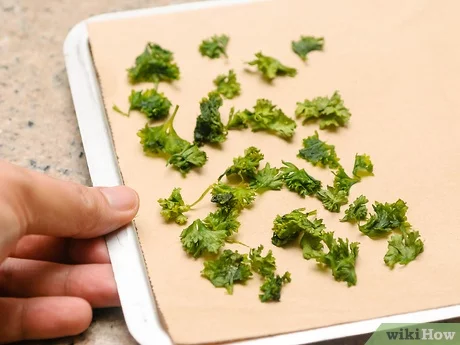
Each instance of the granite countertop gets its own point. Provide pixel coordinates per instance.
(38, 128)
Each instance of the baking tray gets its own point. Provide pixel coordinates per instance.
(137, 301)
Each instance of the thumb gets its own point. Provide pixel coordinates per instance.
(32, 203)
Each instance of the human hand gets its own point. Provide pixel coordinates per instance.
(54, 265)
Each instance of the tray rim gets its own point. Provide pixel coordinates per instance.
(142, 319)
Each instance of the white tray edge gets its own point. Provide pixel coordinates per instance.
(133, 284)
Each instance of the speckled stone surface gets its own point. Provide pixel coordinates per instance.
(38, 128)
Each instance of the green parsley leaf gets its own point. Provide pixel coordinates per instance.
(342, 181)
(246, 166)
(227, 85)
(330, 112)
(215, 46)
(307, 44)
(311, 241)
(198, 239)
(318, 152)
(332, 198)
(298, 180)
(265, 117)
(341, 258)
(209, 127)
(266, 267)
(173, 208)
(267, 178)
(268, 117)
(163, 140)
(357, 211)
(229, 268)
(363, 166)
(263, 265)
(387, 217)
(152, 103)
(225, 219)
(271, 67)
(233, 197)
(155, 64)
(271, 288)
(403, 248)
(191, 156)
(287, 228)
(238, 119)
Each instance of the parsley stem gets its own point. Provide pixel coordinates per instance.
(202, 195)
(233, 241)
(118, 110)
(169, 124)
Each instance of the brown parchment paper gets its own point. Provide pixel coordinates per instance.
(396, 64)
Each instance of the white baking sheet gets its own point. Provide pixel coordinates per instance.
(133, 284)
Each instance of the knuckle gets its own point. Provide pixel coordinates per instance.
(15, 193)
(89, 209)
(6, 275)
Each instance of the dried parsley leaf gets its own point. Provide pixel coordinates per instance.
(163, 140)
(215, 46)
(187, 159)
(332, 198)
(173, 208)
(271, 288)
(363, 166)
(265, 117)
(209, 127)
(238, 119)
(271, 67)
(198, 239)
(227, 85)
(267, 178)
(266, 267)
(307, 44)
(155, 64)
(225, 219)
(232, 197)
(318, 152)
(155, 105)
(229, 268)
(330, 112)
(403, 248)
(288, 227)
(246, 166)
(342, 181)
(341, 258)
(387, 217)
(268, 117)
(263, 265)
(298, 180)
(357, 211)
(311, 241)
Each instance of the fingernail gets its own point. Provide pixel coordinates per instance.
(121, 198)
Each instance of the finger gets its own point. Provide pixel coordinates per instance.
(91, 251)
(33, 203)
(29, 278)
(42, 318)
(62, 250)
